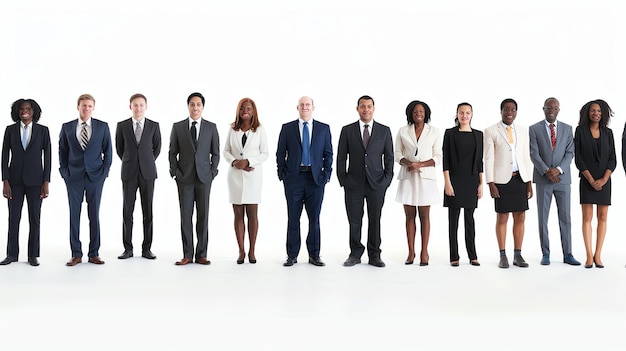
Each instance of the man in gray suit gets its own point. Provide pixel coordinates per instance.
(194, 155)
(552, 151)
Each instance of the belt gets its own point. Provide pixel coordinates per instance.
(305, 168)
(515, 174)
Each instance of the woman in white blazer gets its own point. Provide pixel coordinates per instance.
(418, 150)
(246, 150)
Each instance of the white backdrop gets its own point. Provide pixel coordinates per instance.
(442, 52)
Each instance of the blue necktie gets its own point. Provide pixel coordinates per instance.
(306, 145)
(25, 137)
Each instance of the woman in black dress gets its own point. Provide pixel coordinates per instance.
(463, 175)
(595, 159)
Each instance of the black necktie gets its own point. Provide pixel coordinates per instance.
(194, 133)
(366, 135)
(243, 139)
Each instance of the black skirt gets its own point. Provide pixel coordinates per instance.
(513, 196)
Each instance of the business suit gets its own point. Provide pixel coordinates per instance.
(194, 168)
(245, 187)
(545, 158)
(304, 186)
(84, 173)
(596, 157)
(138, 172)
(365, 174)
(498, 158)
(26, 170)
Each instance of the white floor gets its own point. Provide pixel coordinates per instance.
(140, 304)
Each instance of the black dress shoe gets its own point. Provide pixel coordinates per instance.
(7, 261)
(316, 261)
(148, 254)
(351, 261)
(377, 262)
(33, 261)
(126, 254)
(290, 261)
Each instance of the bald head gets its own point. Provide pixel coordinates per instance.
(551, 109)
(305, 107)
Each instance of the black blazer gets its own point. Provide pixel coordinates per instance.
(187, 161)
(138, 157)
(451, 159)
(374, 164)
(25, 167)
(289, 152)
(587, 156)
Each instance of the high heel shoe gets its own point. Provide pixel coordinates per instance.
(454, 263)
(241, 258)
(475, 263)
(424, 262)
(407, 262)
(251, 259)
(598, 265)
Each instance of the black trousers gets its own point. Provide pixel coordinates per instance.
(470, 232)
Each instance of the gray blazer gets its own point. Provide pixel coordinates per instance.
(542, 155)
(187, 161)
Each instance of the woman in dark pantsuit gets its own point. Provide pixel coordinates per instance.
(596, 160)
(463, 175)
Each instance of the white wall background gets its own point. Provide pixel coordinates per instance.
(440, 52)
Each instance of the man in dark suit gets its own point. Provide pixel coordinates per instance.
(138, 144)
(552, 151)
(304, 159)
(365, 170)
(194, 156)
(85, 154)
(26, 163)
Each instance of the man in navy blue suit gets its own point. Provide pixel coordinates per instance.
(304, 158)
(26, 167)
(85, 153)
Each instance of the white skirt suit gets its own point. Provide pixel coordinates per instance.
(245, 187)
(418, 188)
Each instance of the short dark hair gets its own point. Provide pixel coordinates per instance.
(411, 106)
(137, 96)
(505, 101)
(365, 97)
(196, 94)
(15, 109)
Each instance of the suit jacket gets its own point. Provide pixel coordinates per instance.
(373, 165)
(25, 167)
(188, 161)
(451, 159)
(289, 152)
(498, 158)
(245, 187)
(138, 157)
(542, 155)
(589, 157)
(95, 160)
(428, 147)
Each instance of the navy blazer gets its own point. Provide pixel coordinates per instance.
(94, 161)
(374, 164)
(289, 152)
(188, 161)
(138, 157)
(25, 167)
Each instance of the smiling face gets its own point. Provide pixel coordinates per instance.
(509, 112)
(419, 114)
(246, 112)
(595, 113)
(305, 108)
(85, 109)
(551, 109)
(26, 113)
(139, 107)
(464, 115)
(195, 108)
(365, 110)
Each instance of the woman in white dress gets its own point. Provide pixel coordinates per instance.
(245, 151)
(418, 150)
